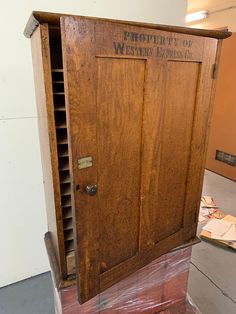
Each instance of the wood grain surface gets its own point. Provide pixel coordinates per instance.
(38, 17)
(48, 143)
(138, 102)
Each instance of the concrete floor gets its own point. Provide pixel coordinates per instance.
(30, 296)
(212, 280)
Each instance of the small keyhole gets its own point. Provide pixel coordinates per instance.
(78, 187)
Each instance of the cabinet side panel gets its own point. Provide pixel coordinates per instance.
(47, 135)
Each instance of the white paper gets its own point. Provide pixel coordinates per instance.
(207, 201)
(217, 227)
(204, 211)
(201, 218)
(230, 235)
(202, 204)
(230, 218)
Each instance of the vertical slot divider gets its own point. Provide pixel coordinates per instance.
(57, 75)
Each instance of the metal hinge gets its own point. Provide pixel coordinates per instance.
(215, 71)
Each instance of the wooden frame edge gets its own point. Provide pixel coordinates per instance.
(60, 283)
(38, 17)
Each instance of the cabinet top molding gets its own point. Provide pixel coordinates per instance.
(38, 17)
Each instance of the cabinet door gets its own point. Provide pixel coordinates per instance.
(138, 104)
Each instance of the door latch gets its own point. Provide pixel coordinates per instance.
(91, 189)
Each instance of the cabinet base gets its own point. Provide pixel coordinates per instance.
(160, 287)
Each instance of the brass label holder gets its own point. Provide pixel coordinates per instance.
(85, 162)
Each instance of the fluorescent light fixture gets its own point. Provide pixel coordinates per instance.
(195, 16)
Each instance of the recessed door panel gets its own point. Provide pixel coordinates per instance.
(167, 134)
(119, 105)
(178, 117)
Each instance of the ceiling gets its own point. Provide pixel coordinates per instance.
(211, 5)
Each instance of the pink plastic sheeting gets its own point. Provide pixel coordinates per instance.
(160, 287)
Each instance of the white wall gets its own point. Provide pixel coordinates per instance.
(219, 13)
(22, 208)
(218, 20)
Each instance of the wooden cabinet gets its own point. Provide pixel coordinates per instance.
(123, 111)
